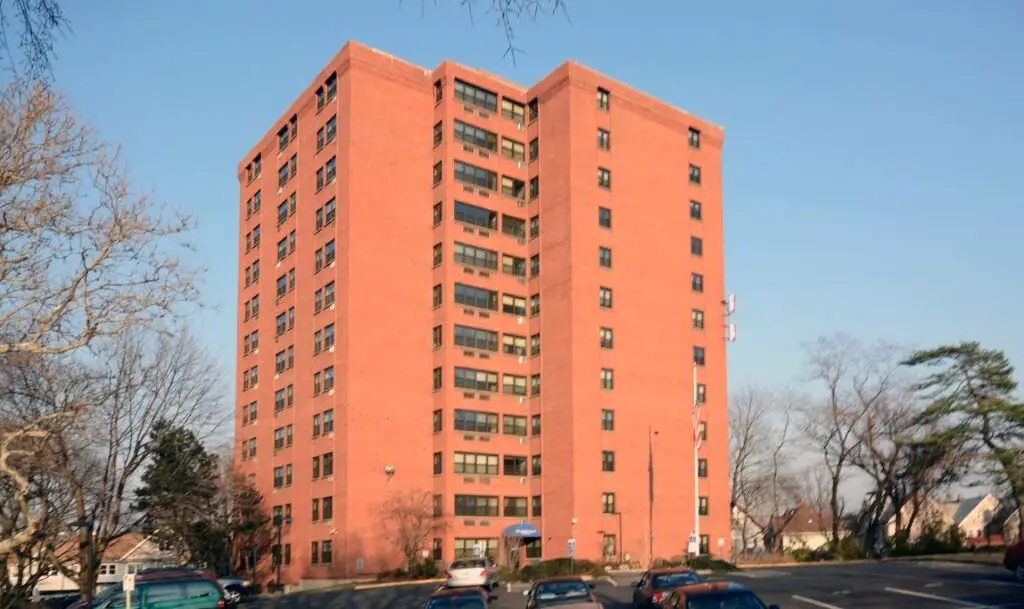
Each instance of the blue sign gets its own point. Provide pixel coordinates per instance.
(523, 530)
(572, 547)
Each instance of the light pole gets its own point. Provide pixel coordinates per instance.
(279, 523)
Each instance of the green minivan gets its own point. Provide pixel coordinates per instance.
(165, 593)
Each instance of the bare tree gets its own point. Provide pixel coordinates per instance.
(856, 379)
(82, 256)
(31, 26)
(508, 14)
(764, 488)
(139, 381)
(408, 521)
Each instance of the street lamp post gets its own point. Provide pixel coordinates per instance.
(279, 523)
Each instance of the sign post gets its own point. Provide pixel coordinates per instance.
(128, 585)
(572, 553)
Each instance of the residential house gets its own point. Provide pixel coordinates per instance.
(971, 515)
(128, 554)
(803, 528)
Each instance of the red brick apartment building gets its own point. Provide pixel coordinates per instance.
(456, 285)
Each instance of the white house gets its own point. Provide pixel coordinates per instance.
(128, 554)
(971, 515)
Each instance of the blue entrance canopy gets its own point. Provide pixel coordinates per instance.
(523, 530)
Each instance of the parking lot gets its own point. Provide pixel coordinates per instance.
(889, 585)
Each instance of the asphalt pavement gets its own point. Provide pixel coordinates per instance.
(886, 585)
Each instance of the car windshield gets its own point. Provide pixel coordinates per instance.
(461, 601)
(674, 580)
(468, 564)
(738, 600)
(561, 593)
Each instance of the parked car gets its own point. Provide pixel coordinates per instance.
(655, 584)
(166, 589)
(1014, 559)
(459, 598)
(714, 595)
(237, 588)
(561, 591)
(472, 572)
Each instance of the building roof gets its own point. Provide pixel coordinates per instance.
(966, 507)
(121, 549)
(802, 519)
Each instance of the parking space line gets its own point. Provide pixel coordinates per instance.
(936, 597)
(811, 601)
(611, 580)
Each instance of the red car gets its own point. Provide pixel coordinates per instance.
(1014, 559)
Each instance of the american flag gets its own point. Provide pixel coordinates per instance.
(696, 411)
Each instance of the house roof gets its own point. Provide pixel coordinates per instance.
(966, 507)
(119, 550)
(803, 519)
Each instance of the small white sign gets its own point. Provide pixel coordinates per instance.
(694, 548)
(128, 582)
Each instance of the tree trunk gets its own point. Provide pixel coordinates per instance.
(834, 505)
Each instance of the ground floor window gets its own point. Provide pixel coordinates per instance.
(468, 547)
(533, 549)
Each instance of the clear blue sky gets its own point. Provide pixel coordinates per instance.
(873, 149)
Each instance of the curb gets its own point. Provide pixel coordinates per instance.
(413, 582)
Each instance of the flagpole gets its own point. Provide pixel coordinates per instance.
(650, 495)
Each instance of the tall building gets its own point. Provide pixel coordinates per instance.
(490, 296)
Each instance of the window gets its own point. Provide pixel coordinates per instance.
(464, 132)
(705, 545)
(314, 552)
(513, 150)
(438, 91)
(328, 422)
(535, 466)
(702, 506)
(282, 476)
(438, 379)
(438, 172)
(515, 507)
(534, 109)
(696, 213)
(698, 356)
(513, 305)
(438, 213)
(476, 338)
(535, 384)
(607, 461)
(512, 384)
(607, 342)
(608, 420)
(534, 187)
(608, 503)
(535, 425)
(436, 548)
(476, 96)
(476, 380)
(332, 87)
(696, 246)
(697, 319)
(603, 99)
(438, 296)
(327, 508)
(535, 506)
(702, 393)
(535, 345)
(472, 256)
(534, 149)
(606, 298)
(534, 305)
(472, 174)
(438, 254)
(477, 216)
(438, 421)
(438, 333)
(514, 466)
(702, 468)
(480, 298)
(607, 378)
(604, 217)
(513, 111)
(697, 283)
(513, 265)
(438, 132)
(512, 425)
(694, 138)
(695, 175)
(604, 139)
(464, 548)
(534, 265)
(473, 463)
(604, 177)
(480, 422)
(512, 344)
(510, 225)
(605, 257)
(512, 187)
(476, 505)
(438, 467)
(702, 429)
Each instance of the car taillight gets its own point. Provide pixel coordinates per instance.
(448, 574)
(658, 597)
(483, 573)
(220, 604)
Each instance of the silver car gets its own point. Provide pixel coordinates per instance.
(476, 572)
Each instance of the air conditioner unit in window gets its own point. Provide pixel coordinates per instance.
(520, 320)
(522, 360)
(256, 351)
(331, 308)
(522, 481)
(278, 265)
(280, 190)
(330, 391)
(522, 399)
(330, 349)
(521, 202)
(522, 440)
(519, 126)
(519, 164)
(277, 376)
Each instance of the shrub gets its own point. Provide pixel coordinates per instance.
(849, 548)
(802, 555)
(709, 563)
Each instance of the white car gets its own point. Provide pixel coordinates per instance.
(476, 572)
